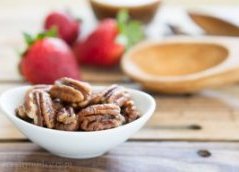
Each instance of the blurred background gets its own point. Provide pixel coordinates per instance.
(27, 16)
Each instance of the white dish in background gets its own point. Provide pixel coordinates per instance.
(76, 144)
(127, 3)
(142, 10)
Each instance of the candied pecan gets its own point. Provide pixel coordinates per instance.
(119, 95)
(100, 117)
(71, 91)
(80, 105)
(45, 113)
(67, 120)
(113, 94)
(38, 107)
(28, 110)
(96, 98)
(57, 104)
(21, 112)
(129, 111)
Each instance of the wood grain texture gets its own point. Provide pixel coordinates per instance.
(130, 156)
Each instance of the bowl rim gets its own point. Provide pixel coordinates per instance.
(13, 117)
(109, 5)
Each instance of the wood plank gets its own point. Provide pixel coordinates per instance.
(209, 115)
(115, 75)
(130, 156)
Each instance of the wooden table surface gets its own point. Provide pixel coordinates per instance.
(196, 132)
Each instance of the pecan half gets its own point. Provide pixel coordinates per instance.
(45, 113)
(70, 90)
(100, 117)
(96, 98)
(38, 106)
(28, 110)
(20, 111)
(117, 95)
(114, 94)
(67, 120)
(129, 111)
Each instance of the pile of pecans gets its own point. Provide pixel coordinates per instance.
(71, 105)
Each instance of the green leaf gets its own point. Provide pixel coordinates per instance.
(131, 31)
(53, 32)
(28, 38)
(50, 33)
(31, 39)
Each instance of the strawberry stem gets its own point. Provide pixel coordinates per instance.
(30, 40)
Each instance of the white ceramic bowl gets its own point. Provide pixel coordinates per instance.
(76, 144)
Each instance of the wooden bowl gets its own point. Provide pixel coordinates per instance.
(213, 25)
(183, 64)
(143, 11)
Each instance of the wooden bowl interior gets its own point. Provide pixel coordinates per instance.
(178, 58)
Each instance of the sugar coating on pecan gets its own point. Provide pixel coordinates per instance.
(57, 104)
(130, 111)
(96, 98)
(117, 95)
(70, 90)
(82, 104)
(20, 111)
(114, 94)
(100, 117)
(120, 96)
(38, 106)
(45, 114)
(67, 119)
(28, 109)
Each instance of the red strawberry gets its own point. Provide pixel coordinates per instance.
(104, 46)
(100, 47)
(67, 26)
(46, 60)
